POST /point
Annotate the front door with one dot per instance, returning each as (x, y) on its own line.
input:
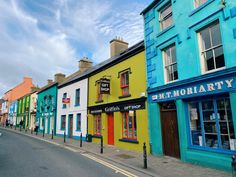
(170, 134)
(110, 123)
(70, 125)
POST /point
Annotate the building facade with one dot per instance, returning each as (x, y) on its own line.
(13, 112)
(117, 109)
(191, 72)
(23, 111)
(33, 108)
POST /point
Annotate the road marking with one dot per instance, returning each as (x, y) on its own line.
(116, 169)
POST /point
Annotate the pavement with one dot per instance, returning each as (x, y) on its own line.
(157, 166)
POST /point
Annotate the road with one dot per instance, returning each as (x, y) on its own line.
(22, 156)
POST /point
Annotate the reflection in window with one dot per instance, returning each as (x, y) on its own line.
(129, 125)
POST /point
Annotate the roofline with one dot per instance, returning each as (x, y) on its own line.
(123, 57)
(150, 7)
(47, 87)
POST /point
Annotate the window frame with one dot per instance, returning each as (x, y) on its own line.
(125, 85)
(97, 124)
(169, 15)
(78, 122)
(203, 51)
(134, 120)
(64, 96)
(77, 97)
(63, 128)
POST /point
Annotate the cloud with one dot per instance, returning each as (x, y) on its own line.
(40, 39)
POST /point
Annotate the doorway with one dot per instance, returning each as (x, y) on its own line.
(110, 132)
(170, 133)
(70, 125)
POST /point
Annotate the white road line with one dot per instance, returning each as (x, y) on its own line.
(116, 169)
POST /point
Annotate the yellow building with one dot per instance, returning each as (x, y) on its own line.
(117, 98)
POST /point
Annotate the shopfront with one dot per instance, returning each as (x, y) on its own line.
(122, 124)
(196, 119)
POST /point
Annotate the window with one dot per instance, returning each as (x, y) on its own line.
(198, 3)
(211, 124)
(166, 17)
(63, 122)
(124, 83)
(64, 97)
(99, 94)
(171, 72)
(97, 124)
(78, 128)
(129, 125)
(211, 47)
(77, 97)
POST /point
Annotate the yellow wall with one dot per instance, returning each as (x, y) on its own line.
(137, 85)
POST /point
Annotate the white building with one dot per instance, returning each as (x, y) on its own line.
(72, 103)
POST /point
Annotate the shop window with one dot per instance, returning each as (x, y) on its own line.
(63, 122)
(166, 17)
(77, 97)
(124, 83)
(171, 72)
(129, 125)
(198, 3)
(78, 128)
(99, 94)
(97, 124)
(211, 124)
(64, 97)
(212, 53)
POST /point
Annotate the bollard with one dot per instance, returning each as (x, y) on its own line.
(144, 156)
(64, 136)
(80, 139)
(43, 132)
(233, 166)
(52, 134)
(101, 145)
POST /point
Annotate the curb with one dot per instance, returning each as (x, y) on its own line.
(82, 150)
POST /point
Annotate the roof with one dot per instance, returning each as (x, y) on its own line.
(47, 86)
(150, 6)
(107, 63)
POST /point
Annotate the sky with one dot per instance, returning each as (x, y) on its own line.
(39, 38)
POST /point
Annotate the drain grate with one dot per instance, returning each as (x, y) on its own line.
(125, 156)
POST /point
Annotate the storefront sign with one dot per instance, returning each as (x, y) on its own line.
(105, 86)
(65, 100)
(118, 107)
(191, 90)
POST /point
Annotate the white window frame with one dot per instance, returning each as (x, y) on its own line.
(169, 15)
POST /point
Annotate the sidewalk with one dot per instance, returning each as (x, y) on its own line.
(157, 166)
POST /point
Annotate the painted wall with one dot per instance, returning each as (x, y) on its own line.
(137, 85)
(46, 109)
(23, 111)
(33, 106)
(72, 108)
(13, 112)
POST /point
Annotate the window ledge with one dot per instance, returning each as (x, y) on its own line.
(208, 149)
(165, 30)
(214, 70)
(100, 101)
(200, 8)
(124, 96)
(77, 105)
(129, 141)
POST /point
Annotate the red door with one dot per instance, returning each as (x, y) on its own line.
(110, 123)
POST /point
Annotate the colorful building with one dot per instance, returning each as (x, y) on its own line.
(33, 108)
(191, 72)
(72, 103)
(47, 105)
(23, 111)
(117, 98)
(13, 112)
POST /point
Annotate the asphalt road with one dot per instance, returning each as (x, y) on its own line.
(22, 156)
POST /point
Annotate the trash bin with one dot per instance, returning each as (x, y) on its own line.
(89, 138)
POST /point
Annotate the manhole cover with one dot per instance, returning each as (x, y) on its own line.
(125, 156)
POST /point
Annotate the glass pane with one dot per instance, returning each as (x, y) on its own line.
(124, 125)
(206, 42)
(208, 110)
(130, 126)
(135, 129)
(173, 54)
(219, 57)
(215, 35)
(165, 12)
(211, 140)
(199, 2)
(175, 74)
(195, 124)
(209, 60)
(166, 23)
(167, 57)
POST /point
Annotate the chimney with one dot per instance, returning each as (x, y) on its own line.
(27, 79)
(59, 77)
(85, 64)
(117, 46)
(50, 81)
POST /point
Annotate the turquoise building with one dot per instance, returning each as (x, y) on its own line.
(47, 105)
(191, 73)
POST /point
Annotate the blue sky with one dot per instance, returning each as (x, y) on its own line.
(39, 38)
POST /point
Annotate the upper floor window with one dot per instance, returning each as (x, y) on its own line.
(198, 3)
(124, 83)
(64, 97)
(171, 72)
(166, 16)
(212, 53)
(77, 97)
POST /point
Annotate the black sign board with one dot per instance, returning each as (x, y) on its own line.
(104, 86)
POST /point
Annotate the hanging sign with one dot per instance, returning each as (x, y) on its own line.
(104, 86)
(65, 100)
